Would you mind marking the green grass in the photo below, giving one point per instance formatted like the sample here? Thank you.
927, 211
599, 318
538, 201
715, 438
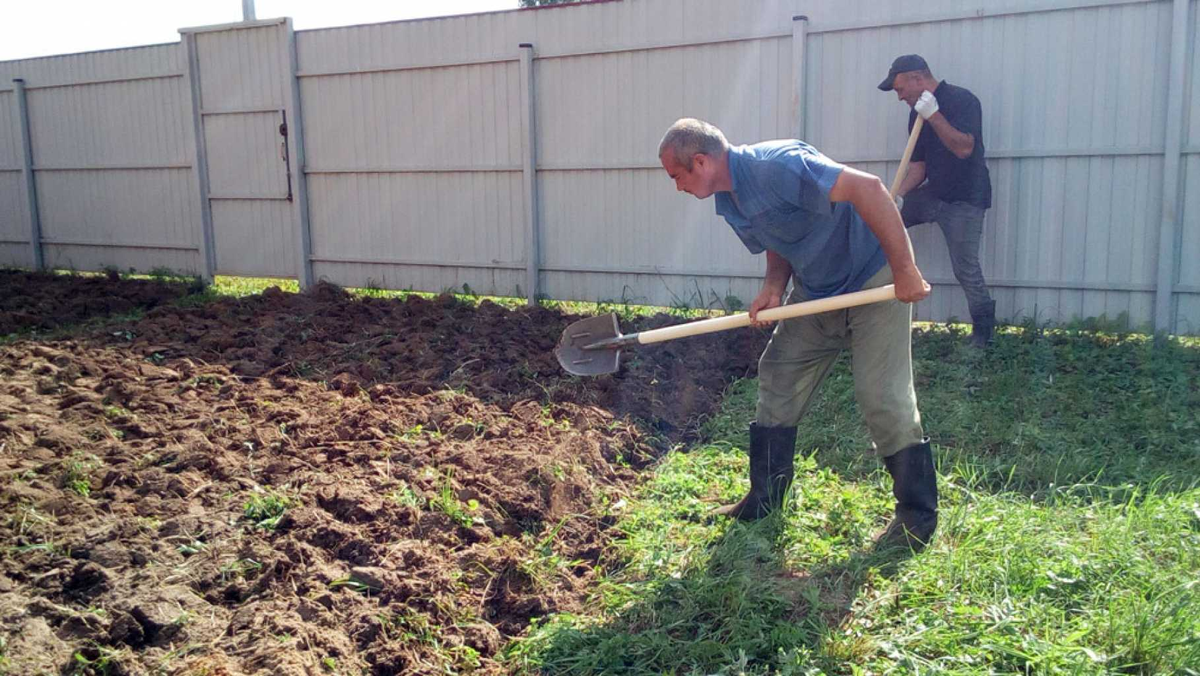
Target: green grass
265, 509
238, 287
1044, 408
1069, 540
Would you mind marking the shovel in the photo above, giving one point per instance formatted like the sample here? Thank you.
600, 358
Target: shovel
592, 346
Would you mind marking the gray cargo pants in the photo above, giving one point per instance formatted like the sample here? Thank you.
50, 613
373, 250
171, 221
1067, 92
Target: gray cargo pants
962, 225
803, 350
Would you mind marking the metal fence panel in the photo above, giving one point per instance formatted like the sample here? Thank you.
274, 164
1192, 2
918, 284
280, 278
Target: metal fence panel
1188, 308
13, 214
112, 64
417, 166
606, 203
111, 156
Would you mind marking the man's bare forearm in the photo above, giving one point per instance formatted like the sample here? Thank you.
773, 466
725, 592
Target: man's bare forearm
779, 272
881, 216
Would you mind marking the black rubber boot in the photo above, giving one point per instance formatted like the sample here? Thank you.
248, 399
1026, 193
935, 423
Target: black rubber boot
984, 318
772, 454
914, 483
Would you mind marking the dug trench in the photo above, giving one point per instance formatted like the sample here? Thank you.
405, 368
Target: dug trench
315, 483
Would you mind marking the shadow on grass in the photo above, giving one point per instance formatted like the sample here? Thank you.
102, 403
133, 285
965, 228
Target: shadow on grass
738, 609
1041, 409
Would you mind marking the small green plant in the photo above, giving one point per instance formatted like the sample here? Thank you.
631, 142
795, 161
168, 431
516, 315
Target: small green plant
98, 660
352, 584
206, 380
405, 496
446, 502
27, 521
163, 273
75, 476
192, 547
49, 547
417, 431
543, 564
329, 663
239, 568
266, 509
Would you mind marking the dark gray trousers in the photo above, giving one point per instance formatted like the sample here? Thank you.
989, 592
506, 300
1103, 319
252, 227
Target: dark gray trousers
962, 225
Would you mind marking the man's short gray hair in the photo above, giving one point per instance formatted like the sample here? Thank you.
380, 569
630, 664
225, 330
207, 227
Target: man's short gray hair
689, 137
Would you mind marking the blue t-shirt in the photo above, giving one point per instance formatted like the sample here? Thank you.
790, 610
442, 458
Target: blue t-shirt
783, 189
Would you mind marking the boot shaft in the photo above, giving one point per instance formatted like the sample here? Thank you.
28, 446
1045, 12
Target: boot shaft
772, 451
914, 480
771, 469
984, 324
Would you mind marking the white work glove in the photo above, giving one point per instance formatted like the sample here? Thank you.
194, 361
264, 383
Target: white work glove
899, 203
926, 105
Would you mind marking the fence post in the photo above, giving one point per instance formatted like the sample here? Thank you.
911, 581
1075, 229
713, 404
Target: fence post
295, 141
799, 65
28, 182
208, 254
1168, 231
529, 174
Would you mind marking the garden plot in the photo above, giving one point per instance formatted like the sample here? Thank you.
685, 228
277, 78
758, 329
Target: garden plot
307, 483
41, 301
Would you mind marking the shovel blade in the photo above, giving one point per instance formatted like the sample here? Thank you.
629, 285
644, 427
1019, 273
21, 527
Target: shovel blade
576, 359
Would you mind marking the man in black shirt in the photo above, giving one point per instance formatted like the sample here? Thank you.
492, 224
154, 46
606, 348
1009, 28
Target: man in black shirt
949, 152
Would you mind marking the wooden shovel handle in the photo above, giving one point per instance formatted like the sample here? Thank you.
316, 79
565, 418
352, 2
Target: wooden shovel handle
741, 319
908, 151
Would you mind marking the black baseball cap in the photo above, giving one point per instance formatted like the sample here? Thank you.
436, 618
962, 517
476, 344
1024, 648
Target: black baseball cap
902, 64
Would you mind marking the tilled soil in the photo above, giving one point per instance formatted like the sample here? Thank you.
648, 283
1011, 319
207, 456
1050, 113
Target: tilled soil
442, 482
41, 301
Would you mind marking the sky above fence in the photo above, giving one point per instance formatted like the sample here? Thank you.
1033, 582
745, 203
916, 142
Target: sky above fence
31, 29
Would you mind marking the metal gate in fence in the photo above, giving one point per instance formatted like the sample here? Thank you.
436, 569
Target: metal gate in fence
244, 103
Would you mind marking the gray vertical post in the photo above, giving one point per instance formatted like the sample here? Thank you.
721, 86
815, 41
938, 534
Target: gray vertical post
1168, 232
208, 254
247, 10
28, 182
799, 66
295, 141
529, 173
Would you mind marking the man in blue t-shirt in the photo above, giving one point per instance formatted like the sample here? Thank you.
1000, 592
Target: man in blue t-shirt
950, 154
829, 229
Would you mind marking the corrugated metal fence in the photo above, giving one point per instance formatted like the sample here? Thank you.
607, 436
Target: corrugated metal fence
437, 153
